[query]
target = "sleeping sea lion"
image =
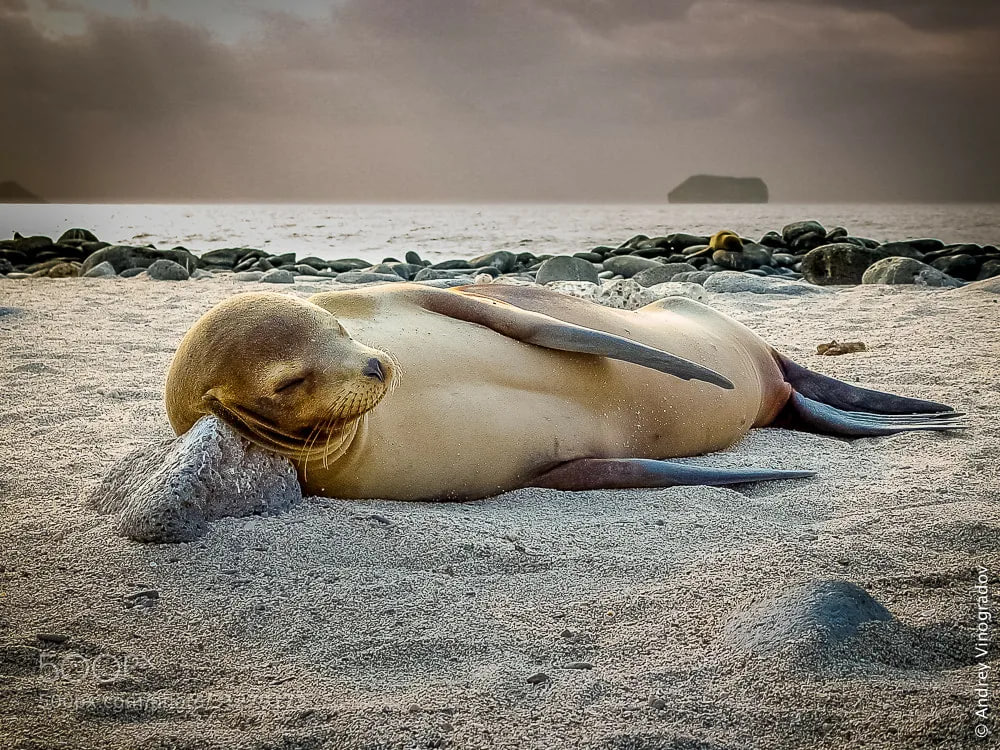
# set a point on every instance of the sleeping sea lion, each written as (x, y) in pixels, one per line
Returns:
(402, 391)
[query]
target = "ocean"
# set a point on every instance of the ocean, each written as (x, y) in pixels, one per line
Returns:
(374, 232)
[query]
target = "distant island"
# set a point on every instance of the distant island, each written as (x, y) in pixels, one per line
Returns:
(13, 192)
(707, 188)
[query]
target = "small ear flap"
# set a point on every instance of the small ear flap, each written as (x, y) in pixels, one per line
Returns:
(542, 330)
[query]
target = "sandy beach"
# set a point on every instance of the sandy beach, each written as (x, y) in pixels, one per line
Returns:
(672, 618)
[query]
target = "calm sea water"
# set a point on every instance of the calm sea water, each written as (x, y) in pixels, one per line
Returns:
(446, 231)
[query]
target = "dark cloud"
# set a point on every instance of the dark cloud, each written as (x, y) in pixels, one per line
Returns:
(522, 100)
(930, 15)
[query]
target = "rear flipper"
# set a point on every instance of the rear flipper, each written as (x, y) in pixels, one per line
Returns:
(627, 473)
(823, 404)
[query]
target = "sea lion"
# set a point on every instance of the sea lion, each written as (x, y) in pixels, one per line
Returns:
(403, 391)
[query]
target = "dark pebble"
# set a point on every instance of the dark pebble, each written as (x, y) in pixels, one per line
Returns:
(538, 678)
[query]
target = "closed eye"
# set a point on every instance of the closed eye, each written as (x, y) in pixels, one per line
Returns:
(289, 384)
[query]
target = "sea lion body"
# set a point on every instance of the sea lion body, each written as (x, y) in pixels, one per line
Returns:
(480, 411)
(406, 392)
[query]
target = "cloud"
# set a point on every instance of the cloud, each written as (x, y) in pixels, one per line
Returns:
(522, 100)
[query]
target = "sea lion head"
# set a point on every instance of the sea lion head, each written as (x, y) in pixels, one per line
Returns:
(281, 371)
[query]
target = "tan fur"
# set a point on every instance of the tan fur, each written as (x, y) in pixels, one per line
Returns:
(469, 412)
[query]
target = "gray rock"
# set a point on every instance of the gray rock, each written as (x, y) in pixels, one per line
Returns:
(732, 281)
(907, 271)
(167, 270)
(901, 250)
(566, 268)
(988, 270)
(76, 235)
(169, 491)
(130, 273)
(680, 241)
(406, 270)
(348, 264)
(101, 270)
(202, 273)
(363, 277)
(792, 232)
(838, 263)
(958, 266)
(306, 270)
(628, 265)
(283, 259)
(445, 283)
(503, 260)
(676, 289)
(277, 276)
(623, 294)
(226, 257)
(383, 268)
(6, 266)
(694, 277)
(583, 289)
(128, 256)
(751, 256)
(413, 258)
(774, 241)
(452, 265)
(248, 275)
(662, 273)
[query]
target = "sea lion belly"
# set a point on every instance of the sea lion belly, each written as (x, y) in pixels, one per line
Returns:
(475, 412)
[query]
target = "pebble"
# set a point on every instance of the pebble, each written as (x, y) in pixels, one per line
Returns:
(623, 294)
(578, 665)
(662, 273)
(906, 271)
(248, 275)
(838, 263)
(278, 276)
(727, 282)
(101, 270)
(538, 678)
(628, 265)
(677, 289)
(363, 277)
(167, 270)
(582, 289)
(566, 268)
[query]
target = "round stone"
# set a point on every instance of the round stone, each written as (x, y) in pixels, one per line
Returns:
(566, 268)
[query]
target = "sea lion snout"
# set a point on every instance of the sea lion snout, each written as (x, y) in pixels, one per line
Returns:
(373, 369)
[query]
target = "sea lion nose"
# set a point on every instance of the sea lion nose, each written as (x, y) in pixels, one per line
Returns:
(373, 369)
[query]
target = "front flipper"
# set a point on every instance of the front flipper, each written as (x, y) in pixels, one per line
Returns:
(627, 473)
(542, 330)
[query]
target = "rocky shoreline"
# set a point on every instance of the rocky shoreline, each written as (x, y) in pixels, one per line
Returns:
(798, 259)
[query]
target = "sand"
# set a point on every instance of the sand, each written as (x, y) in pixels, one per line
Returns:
(675, 618)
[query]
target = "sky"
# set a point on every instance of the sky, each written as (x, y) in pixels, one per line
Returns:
(499, 100)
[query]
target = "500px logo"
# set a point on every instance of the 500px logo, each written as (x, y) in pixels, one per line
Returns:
(61, 666)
